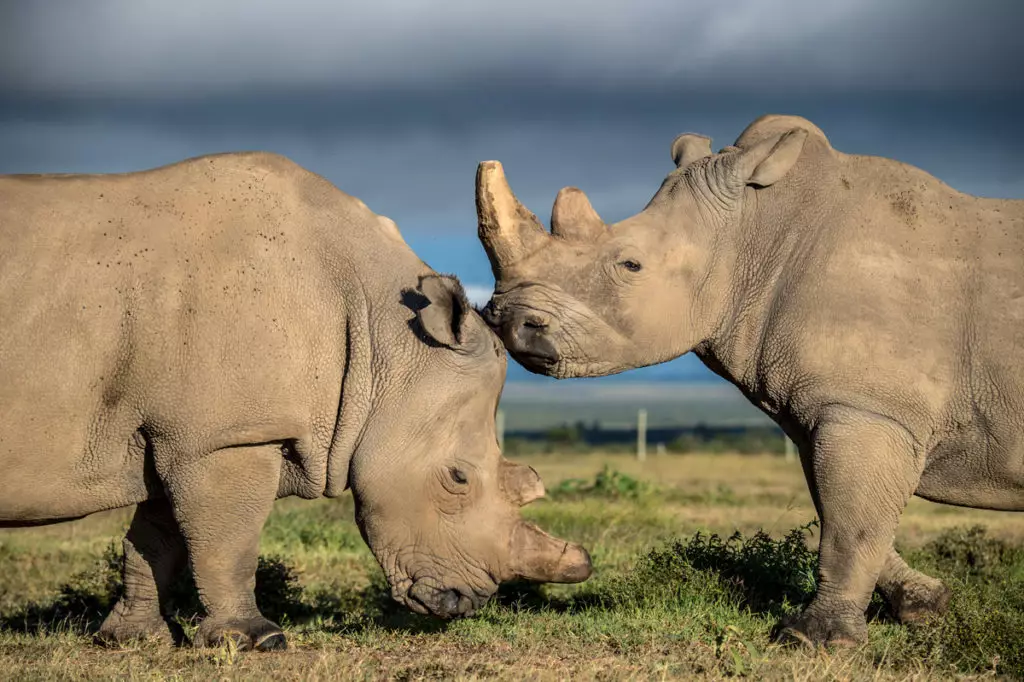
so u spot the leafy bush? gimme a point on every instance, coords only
(608, 483)
(757, 573)
(984, 627)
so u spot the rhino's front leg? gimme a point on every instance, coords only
(862, 469)
(154, 553)
(221, 501)
(912, 595)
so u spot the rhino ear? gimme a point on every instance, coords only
(768, 161)
(446, 315)
(690, 147)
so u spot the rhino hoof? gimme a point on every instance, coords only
(247, 634)
(814, 628)
(118, 630)
(920, 602)
(272, 642)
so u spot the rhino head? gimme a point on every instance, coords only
(435, 500)
(590, 299)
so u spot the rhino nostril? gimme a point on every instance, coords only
(450, 602)
(490, 315)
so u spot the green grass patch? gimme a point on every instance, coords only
(723, 594)
(661, 604)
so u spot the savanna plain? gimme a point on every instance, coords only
(696, 557)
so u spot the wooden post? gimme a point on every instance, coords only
(641, 435)
(790, 448)
(499, 426)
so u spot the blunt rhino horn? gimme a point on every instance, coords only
(507, 229)
(520, 482)
(572, 216)
(540, 557)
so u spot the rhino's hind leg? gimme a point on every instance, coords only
(154, 553)
(862, 470)
(221, 501)
(912, 595)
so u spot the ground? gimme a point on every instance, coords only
(665, 602)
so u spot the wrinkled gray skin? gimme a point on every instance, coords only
(200, 339)
(872, 311)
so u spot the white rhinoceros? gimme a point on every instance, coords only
(872, 311)
(201, 339)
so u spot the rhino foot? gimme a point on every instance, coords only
(920, 601)
(257, 634)
(123, 626)
(840, 625)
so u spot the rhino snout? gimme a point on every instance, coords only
(442, 602)
(527, 333)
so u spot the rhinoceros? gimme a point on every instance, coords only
(873, 312)
(200, 339)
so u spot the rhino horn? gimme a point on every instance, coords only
(520, 482)
(540, 557)
(572, 216)
(507, 229)
(690, 147)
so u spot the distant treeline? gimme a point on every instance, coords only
(681, 439)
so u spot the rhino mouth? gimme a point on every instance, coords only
(425, 597)
(527, 333)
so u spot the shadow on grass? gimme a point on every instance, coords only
(758, 573)
(83, 602)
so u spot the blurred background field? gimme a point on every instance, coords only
(672, 596)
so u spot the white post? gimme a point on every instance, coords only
(499, 426)
(641, 435)
(790, 449)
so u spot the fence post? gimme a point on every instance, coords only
(641, 435)
(499, 426)
(790, 449)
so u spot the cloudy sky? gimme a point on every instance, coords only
(397, 101)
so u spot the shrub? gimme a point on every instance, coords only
(608, 483)
(757, 572)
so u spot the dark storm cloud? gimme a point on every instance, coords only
(397, 102)
(164, 49)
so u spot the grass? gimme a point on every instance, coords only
(685, 587)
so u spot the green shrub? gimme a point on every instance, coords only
(984, 627)
(608, 483)
(756, 573)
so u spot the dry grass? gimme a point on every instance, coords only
(560, 632)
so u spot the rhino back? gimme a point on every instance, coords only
(905, 298)
(201, 303)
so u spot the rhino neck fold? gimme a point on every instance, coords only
(772, 240)
(380, 356)
(375, 275)
(355, 401)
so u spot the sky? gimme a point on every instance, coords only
(396, 102)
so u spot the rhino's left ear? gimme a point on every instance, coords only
(768, 161)
(447, 316)
(690, 147)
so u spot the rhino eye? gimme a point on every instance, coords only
(458, 475)
(631, 265)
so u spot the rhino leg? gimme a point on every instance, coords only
(861, 470)
(912, 595)
(154, 553)
(221, 502)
